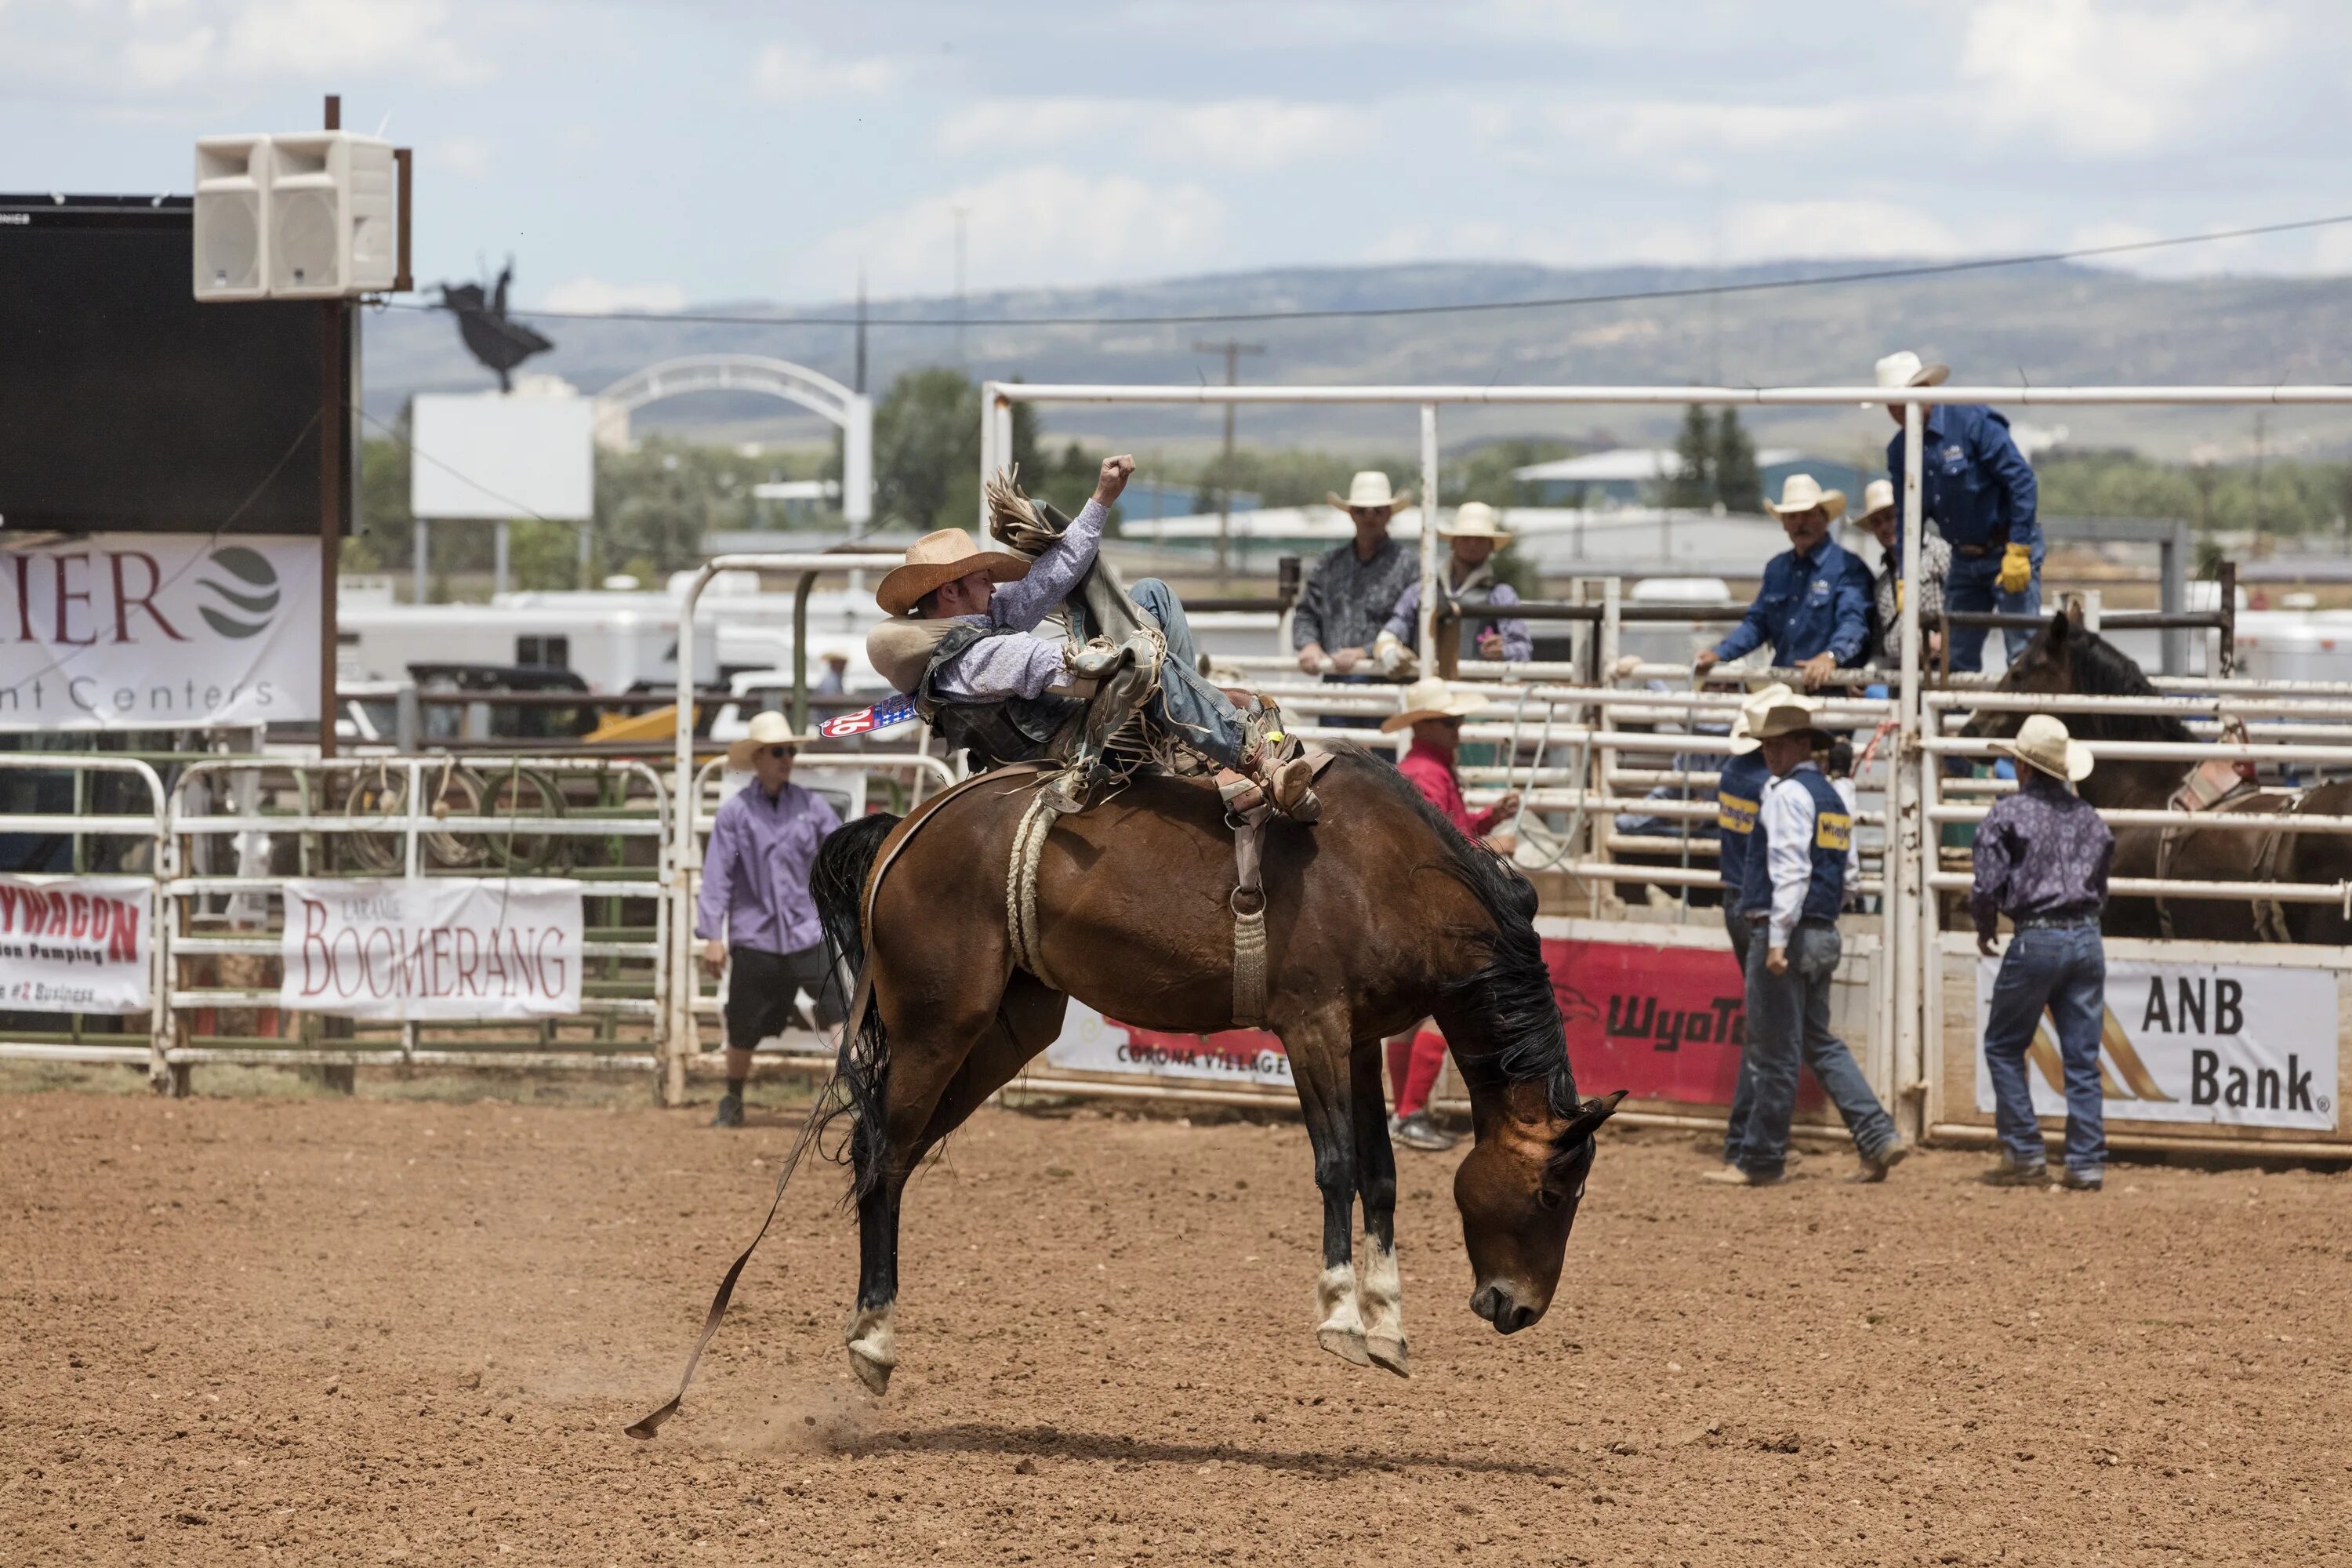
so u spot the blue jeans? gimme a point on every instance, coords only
(1788, 1028)
(1972, 588)
(2064, 971)
(1186, 704)
(1743, 1089)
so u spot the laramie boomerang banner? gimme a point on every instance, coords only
(2197, 1042)
(154, 631)
(423, 950)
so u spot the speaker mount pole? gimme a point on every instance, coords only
(333, 381)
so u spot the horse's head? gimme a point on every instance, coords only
(2046, 666)
(1517, 1191)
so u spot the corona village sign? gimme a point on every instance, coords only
(437, 949)
(2197, 1042)
(153, 631)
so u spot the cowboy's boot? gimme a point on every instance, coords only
(1277, 763)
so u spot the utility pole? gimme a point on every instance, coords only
(1233, 349)
(2261, 435)
(857, 382)
(962, 358)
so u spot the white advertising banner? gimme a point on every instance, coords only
(433, 948)
(2242, 1046)
(1091, 1042)
(76, 944)
(158, 631)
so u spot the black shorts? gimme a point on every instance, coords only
(764, 988)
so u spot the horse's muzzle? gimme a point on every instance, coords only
(1499, 1307)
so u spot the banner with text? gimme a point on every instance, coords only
(157, 631)
(2247, 1047)
(1091, 1042)
(433, 948)
(76, 944)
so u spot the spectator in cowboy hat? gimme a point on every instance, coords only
(1883, 520)
(1351, 591)
(754, 914)
(1978, 491)
(1435, 714)
(1799, 865)
(1813, 605)
(1474, 535)
(2041, 858)
(835, 681)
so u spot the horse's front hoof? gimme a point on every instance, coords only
(874, 1374)
(873, 1347)
(1389, 1353)
(1346, 1344)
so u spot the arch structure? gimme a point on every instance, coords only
(853, 412)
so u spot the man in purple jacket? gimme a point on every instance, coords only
(755, 912)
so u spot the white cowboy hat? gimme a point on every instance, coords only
(941, 558)
(1803, 492)
(1752, 713)
(1788, 716)
(1475, 520)
(2042, 743)
(767, 730)
(1876, 497)
(1431, 699)
(1368, 489)
(1902, 368)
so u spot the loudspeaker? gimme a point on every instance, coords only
(232, 217)
(332, 217)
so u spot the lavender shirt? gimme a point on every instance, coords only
(755, 873)
(1002, 667)
(2041, 851)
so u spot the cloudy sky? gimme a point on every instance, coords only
(636, 154)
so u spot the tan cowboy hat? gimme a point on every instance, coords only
(2042, 743)
(1876, 497)
(1475, 520)
(1752, 713)
(1788, 716)
(1902, 368)
(1431, 699)
(1368, 489)
(1803, 492)
(767, 730)
(941, 558)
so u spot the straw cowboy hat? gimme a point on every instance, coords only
(1431, 698)
(1752, 713)
(1475, 520)
(767, 730)
(1876, 497)
(1803, 492)
(1369, 490)
(941, 558)
(1902, 368)
(1788, 716)
(2042, 743)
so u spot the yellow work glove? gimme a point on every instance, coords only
(1899, 586)
(2016, 569)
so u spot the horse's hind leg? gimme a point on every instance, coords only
(1378, 1294)
(1318, 1052)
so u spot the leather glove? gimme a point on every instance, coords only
(2016, 569)
(1393, 658)
(1899, 586)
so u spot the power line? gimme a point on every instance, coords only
(1565, 302)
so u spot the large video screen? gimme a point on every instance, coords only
(127, 406)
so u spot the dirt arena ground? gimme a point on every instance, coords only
(328, 1331)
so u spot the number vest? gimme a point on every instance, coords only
(1832, 832)
(1738, 796)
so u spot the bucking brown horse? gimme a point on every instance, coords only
(1382, 915)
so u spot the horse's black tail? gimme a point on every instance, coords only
(837, 883)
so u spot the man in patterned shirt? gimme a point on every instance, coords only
(1885, 524)
(1350, 592)
(2041, 858)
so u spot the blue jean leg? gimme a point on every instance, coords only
(1743, 1088)
(2064, 972)
(1775, 1052)
(1186, 703)
(1972, 588)
(1816, 952)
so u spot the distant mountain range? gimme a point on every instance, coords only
(2047, 323)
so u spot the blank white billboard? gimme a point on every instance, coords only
(497, 456)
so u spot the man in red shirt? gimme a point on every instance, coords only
(1435, 714)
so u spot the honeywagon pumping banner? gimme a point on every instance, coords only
(2242, 1046)
(76, 944)
(432, 949)
(149, 631)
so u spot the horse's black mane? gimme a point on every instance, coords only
(2099, 668)
(1512, 991)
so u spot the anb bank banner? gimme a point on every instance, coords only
(2197, 1042)
(153, 631)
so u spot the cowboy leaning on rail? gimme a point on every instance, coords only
(958, 641)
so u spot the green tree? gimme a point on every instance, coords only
(1738, 484)
(1692, 483)
(926, 449)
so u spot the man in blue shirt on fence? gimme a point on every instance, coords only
(1813, 605)
(1978, 491)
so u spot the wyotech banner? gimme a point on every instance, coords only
(2250, 1047)
(152, 631)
